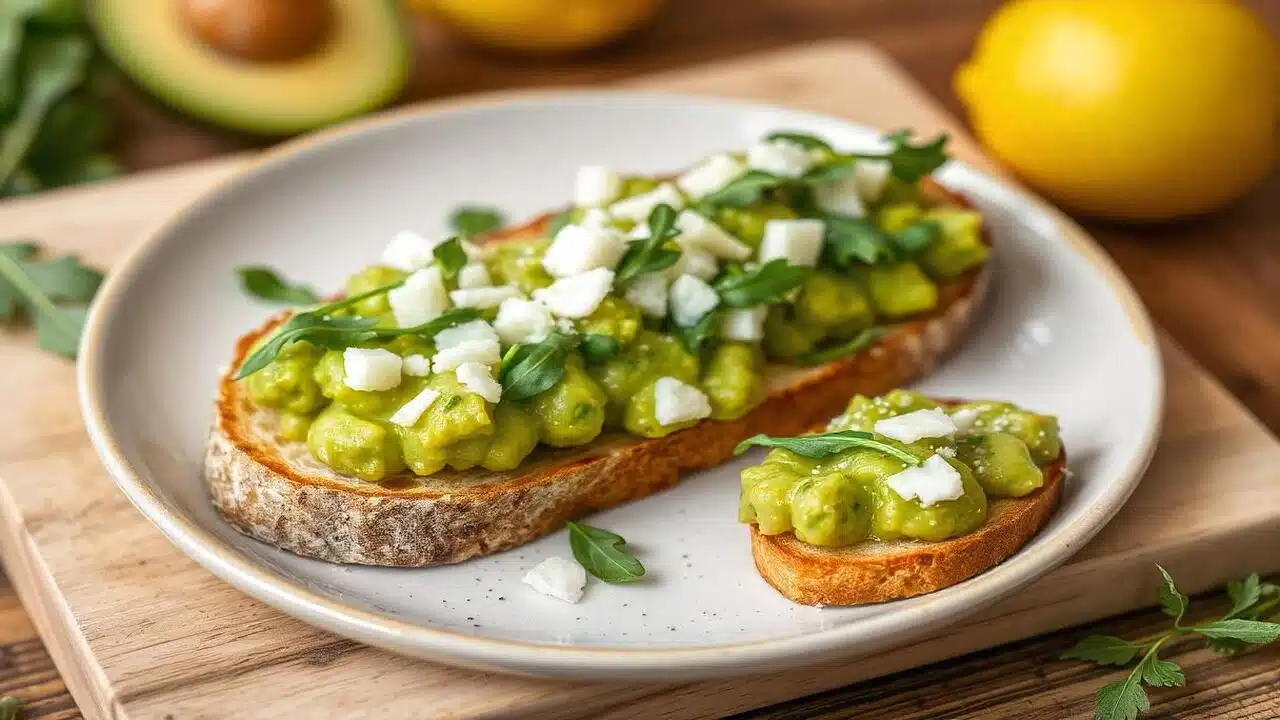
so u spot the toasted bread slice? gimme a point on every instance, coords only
(273, 490)
(872, 572)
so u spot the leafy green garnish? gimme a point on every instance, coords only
(600, 553)
(54, 294)
(695, 337)
(265, 283)
(911, 162)
(472, 220)
(821, 445)
(768, 283)
(850, 240)
(598, 348)
(916, 236)
(558, 222)
(530, 369)
(10, 708)
(804, 140)
(748, 189)
(450, 257)
(1240, 628)
(849, 347)
(649, 255)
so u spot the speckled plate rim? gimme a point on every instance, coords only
(861, 637)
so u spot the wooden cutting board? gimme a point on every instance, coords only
(140, 631)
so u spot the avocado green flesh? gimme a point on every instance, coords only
(846, 498)
(350, 430)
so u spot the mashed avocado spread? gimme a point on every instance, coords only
(898, 466)
(646, 307)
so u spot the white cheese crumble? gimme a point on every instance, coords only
(478, 378)
(579, 248)
(698, 232)
(471, 331)
(577, 296)
(933, 482)
(596, 185)
(691, 298)
(675, 402)
(474, 275)
(473, 341)
(871, 177)
(799, 242)
(711, 175)
(649, 293)
(964, 418)
(409, 251)
(375, 369)
(485, 297)
(421, 298)
(523, 321)
(476, 253)
(559, 578)
(408, 414)
(638, 207)
(913, 426)
(417, 365)
(841, 197)
(745, 324)
(779, 157)
(695, 262)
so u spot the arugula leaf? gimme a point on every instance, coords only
(748, 189)
(821, 445)
(917, 236)
(1105, 650)
(59, 330)
(849, 347)
(829, 172)
(598, 348)
(768, 283)
(10, 708)
(1172, 602)
(804, 140)
(649, 255)
(695, 337)
(472, 220)
(530, 369)
(601, 553)
(850, 240)
(53, 65)
(450, 257)
(911, 162)
(55, 295)
(264, 283)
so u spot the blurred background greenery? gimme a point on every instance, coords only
(1134, 109)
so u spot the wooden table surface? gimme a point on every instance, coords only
(1213, 283)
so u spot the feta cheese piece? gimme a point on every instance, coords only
(421, 298)
(779, 157)
(675, 402)
(408, 414)
(711, 175)
(799, 242)
(698, 232)
(523, 321)
(745, 324)
(473, 341)
(964, 418)
(649, 293)
(579, 248)
(638, 207)
(931, 483)
(596, 217)
(913, 426)
(375, 369)
(417, 365)
(841, 197)
(472, 331)
(559, 578)
(478, 378)
(566, 326)
(577, 296)
(871, 177)
(474, 275)
(695, 262)
(484, 297)
(409, 251)
(596, 185)
(691, 298)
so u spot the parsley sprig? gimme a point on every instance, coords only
(53, 294)
(1251, 621)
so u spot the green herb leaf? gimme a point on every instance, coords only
(54, 294)
(528, 370)
(59, 331)
(911, 162)
(1172, 602)
(829, 172)
(10, 708)
(917, 236)
(558, 222)
(601, 553)
(1104, 650)
(859, 342)
(450, 257)
(821, 445)
(1254, 632)
(1161, 673)
(597, 348)
(649, 255)
(264, 283)
(52, 65)
(849, 241)
(748, 189)
(804, 140)
(694, 338)
(472, 220)
(768, 283)
(1244, 593)
(1122, 700)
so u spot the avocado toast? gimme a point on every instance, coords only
(487, 422)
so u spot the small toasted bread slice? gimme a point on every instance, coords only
(872, 572)
(273, 490)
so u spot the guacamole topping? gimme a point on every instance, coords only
(647, 307)
(900, 466)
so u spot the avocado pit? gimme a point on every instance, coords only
(263, 31)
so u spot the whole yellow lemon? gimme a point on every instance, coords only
(542, 26)
(1137, 109)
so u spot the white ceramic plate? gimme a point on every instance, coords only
(1061, 333)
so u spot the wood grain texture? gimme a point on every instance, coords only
(137, 607)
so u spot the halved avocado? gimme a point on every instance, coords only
(363, 62)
